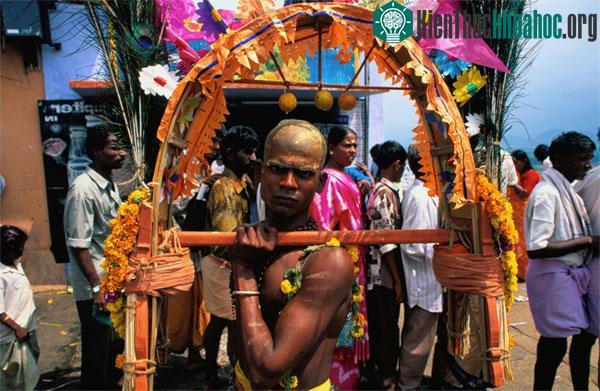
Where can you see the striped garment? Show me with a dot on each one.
(420, 211)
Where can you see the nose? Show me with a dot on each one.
(289, 181)
(253, 156)
(123, 153)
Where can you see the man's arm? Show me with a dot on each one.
(382, 210)
(540, 227)
(84, 260)
(20, 332)
(79, 229)
(326, 284)
(558, 249)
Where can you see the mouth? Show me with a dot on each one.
(285, 199)
(582, 174)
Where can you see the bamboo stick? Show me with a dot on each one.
(304, 238)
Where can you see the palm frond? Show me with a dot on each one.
(504, 93)
(128, 40)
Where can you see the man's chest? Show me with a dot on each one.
(272, 298)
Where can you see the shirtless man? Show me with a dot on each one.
(287, 338)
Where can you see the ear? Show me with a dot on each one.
(330, 149)
(322, 179)
(95, 154)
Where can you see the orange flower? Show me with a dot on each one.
(117, 248)
(501, 219)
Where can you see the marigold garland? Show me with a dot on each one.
(117, 315)
(292, 281)
(505, 232)
(358, 328)
(117, 248)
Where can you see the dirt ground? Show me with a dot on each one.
(60, 350)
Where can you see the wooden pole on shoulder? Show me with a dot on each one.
(305, 238)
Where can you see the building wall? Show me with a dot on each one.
(77, 59)
(23, 202)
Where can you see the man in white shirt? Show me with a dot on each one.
(92, 202)
(559, 242)
(424, 293)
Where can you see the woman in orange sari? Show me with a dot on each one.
(528, 178)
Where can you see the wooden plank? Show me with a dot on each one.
(305, 238)
(141, 336)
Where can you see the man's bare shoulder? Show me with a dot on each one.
(331, 265)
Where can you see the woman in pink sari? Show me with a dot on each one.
(339, 207)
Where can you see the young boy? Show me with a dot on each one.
(17, 315)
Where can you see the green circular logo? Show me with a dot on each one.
(392, 22)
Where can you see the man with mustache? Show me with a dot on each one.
(92, 202)
(291, 303)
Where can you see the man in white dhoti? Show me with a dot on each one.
(559, 243)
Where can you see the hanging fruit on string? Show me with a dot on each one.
(287, 102)
(347, 101)
(323, 100)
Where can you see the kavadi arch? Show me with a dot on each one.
(198, 107)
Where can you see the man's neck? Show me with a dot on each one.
(105, 172)
(238, 171)
(570, 180)
(289, 223)
(388, 174)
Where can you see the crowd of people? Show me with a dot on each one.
(322, 316)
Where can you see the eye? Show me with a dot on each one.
(279, 170)
(304, 174)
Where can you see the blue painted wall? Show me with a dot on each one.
(78, 58)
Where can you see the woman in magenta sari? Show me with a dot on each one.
(339, 207)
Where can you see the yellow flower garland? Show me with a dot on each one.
(291, 283)
(117, 315)
(117, 248)
(501, 218)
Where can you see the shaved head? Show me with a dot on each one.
(298, 137)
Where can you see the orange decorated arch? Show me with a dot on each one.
(198, 105)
